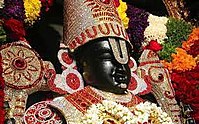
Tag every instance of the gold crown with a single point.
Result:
(85, 20)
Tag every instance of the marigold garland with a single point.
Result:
(194, 36)
(122, 13)
(184, 59)
(181, 61)
(32, 11)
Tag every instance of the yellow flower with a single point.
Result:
(122, 13)
(32, 10)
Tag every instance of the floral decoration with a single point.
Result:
(15, 29)
(184, 71)
(13, 9)
(32, 10)
(154, 33)
(177, 32)
(181, 61)
(194, 50)
(112, 112)
(137, 24)
(193, 38)
(122, 13)
(21, 14)
(186, 58)
(117, 3)
(154, 45)
(186, 85)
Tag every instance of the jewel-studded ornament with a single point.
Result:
(41, 113)
(23, 72)
(22, 67)
(152, 71)
(70, 80)
(137, 85)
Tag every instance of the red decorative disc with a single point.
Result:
(66, 58)
(73, 81)
(22, 66)
(40, 113)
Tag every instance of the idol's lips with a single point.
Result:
(120, 78)
(121, 81)
(122, 85)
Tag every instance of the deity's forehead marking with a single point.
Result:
(119, 49)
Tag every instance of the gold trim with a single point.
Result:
(176, 9)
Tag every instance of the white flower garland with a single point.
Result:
(111, 111)
(156, 30)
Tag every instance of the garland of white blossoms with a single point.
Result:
(109, 111)
(156, 30)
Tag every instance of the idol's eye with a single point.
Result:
(105, 56)
(157, 74)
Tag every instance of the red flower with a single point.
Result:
(194, 49)
(154, 45)
(117, 3)
(186, 85)
(14, 28)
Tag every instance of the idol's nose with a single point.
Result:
(120, 74)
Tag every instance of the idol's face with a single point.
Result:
(101, 70)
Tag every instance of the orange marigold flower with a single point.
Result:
(192, 37)
(181, 61)
(167, 65)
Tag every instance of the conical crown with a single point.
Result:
(85, 20)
